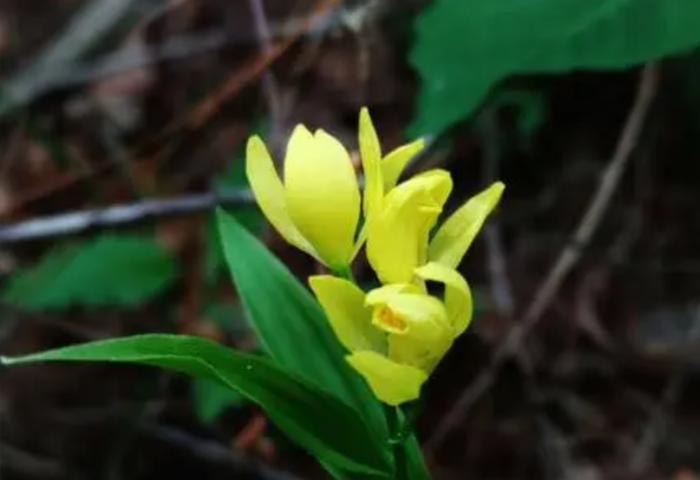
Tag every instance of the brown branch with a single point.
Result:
(269, 84)
(79, 221)
(232, 85)
(215, 453)
(501, 288)
(568, 257)
(656, 428)
(163, 142)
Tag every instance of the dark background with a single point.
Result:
(605, 384)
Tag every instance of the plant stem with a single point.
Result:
(345, 272)
(397, 440)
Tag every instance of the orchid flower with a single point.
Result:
(317, 206)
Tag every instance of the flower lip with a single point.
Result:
(388, 320)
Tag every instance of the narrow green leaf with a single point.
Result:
(315, 419)
(417, 469)
(290, 324)
(210, 399)
(110, 270)
(233, 178)
(463, 48)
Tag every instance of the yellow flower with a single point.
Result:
(381, 173)
(317, 207)
(396, 334)
(398, 241)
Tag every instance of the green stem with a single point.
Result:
(345, 272)
(397, 439)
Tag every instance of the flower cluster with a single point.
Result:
(397, 333)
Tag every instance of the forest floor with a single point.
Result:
(582, 359)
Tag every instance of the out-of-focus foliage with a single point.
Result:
(530, 107)
(463, 48)
(317, 420)
(235, 178)
(228, 316)
(111, 270)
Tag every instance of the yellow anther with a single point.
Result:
(386, 318)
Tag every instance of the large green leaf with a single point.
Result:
(111, 270)
(290, 323)
(462, 48)
(315, 419)
(210, 399)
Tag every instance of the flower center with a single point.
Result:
(388, 320)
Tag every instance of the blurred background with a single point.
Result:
(122, 125)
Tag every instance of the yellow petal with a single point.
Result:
(371, 154)
(383, 317)
(350, 319)
(419, 311)
(458, 296)
(381, 175)
(439, 184)
(457, 233)
(269, 193)
(391, 382)
(397, 240)
(395, 162)
(386, 292)
(427, 336)
(417, 324)
(323, 198)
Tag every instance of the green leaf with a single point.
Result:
(315, 419)
(234, 178)
(530, 108)
(213, 265)
(110, 270)
(417, 469)
(210, 399)
(689, 71)
(228, 316)
(291, 325)
(462, 48)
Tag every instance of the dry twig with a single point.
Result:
(167, 139)
(82, 220)
(28, 464)
(657, 426)
(501, 288)
(93, 22)
(269, 83)
(568, 257)
(215, 452)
